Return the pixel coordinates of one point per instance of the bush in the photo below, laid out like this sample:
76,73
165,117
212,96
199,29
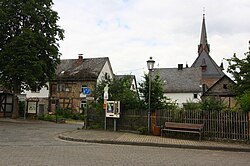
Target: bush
244,101
78,116
63,113
211,104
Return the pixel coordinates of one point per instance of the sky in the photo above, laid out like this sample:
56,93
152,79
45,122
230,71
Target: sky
131,31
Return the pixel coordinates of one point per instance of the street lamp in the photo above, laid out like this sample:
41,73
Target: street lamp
150,64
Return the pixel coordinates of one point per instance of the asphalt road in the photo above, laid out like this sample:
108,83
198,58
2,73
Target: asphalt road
36,144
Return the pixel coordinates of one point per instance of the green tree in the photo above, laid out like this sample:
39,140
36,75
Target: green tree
244,101
29,37
240,69
157,98
119,90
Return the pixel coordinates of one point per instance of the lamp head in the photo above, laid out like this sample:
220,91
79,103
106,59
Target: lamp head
150,63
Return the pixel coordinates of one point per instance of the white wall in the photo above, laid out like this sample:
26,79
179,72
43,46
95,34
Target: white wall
181,98
106,69
44,93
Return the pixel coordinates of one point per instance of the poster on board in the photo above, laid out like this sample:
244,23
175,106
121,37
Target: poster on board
113,109
32,107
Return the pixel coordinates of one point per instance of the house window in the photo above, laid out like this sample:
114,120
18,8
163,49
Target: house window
53,88
35,89
83,105
195,96
224,86
106,76
60,87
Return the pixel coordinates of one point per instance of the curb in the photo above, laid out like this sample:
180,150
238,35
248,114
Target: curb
230,149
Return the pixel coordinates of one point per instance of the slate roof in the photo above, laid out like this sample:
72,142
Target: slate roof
187,80
84,69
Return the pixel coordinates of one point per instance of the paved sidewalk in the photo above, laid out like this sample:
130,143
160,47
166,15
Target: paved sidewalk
124,138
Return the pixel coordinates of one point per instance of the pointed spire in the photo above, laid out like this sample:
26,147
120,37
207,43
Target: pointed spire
203,32
203,42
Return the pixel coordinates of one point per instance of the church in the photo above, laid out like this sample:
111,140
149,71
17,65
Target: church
203,79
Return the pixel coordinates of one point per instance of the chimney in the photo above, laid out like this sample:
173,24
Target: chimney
80,56
180,66
221,66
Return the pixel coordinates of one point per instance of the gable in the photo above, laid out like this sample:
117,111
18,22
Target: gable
221,87
105,72
212,69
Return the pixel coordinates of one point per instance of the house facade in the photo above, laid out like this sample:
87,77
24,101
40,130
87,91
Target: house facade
75,81
221,91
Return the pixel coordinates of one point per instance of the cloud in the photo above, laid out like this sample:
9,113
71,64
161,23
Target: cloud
129,32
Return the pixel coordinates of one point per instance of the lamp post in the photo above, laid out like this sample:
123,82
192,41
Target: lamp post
150,64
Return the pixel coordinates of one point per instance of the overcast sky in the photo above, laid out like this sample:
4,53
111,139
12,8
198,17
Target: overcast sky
130,31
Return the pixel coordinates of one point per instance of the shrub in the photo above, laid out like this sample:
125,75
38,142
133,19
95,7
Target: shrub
211,104
244,101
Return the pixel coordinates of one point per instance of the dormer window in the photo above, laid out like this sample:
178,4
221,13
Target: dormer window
203,65
35,89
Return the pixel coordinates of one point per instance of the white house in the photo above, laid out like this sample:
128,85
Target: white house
180,84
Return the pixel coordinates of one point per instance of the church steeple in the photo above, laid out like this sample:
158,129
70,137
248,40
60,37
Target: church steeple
204,46
211,72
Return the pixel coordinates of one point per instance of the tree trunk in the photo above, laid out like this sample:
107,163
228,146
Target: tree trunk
15,111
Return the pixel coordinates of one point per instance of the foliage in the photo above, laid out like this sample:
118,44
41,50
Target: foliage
119,90
240,69
190,105
157,99
244,101
29,37
64,113
211,104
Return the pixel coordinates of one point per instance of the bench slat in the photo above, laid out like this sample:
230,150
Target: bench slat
183,127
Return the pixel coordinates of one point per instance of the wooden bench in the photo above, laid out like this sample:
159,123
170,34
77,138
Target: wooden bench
183,127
